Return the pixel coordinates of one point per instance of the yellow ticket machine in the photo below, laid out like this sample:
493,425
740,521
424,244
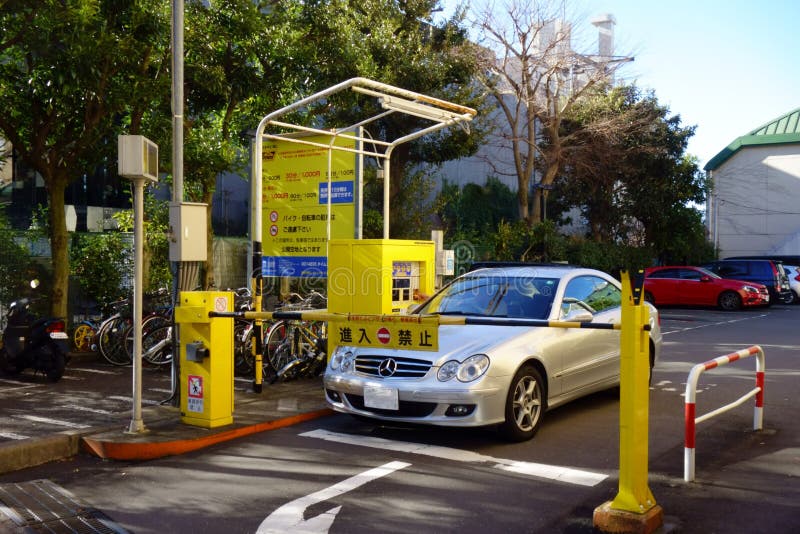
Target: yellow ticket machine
206,358
379,276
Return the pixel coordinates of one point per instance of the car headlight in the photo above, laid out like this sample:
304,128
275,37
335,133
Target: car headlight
342,360
467,371
750,289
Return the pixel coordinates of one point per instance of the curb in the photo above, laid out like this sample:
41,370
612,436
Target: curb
151,450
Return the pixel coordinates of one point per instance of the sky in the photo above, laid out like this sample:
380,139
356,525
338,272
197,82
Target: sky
726,67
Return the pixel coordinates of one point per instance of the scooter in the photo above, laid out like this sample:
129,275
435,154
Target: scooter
33,343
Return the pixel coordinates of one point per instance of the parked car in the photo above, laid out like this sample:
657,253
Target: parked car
766,272
793,273
493,374
696,286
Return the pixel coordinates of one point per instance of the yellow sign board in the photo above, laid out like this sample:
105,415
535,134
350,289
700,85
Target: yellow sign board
295,203
396,332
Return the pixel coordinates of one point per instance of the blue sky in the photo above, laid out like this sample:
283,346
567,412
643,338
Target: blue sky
725,66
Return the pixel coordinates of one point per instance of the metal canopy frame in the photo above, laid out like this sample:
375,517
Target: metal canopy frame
392,100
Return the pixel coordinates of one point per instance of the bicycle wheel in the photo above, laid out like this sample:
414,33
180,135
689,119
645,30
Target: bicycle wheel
111,340
157,345
150,323
83,337
243,348
278,347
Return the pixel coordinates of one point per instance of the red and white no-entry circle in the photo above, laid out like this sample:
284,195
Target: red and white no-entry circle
384,336
273,230
273,216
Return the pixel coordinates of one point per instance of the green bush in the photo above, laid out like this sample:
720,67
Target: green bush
99,262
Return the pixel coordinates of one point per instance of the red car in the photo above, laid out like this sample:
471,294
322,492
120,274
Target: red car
695,286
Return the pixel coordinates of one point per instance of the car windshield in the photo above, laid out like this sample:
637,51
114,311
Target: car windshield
708,273
494,296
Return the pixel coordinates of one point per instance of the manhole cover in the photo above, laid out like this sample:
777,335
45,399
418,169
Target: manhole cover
42,506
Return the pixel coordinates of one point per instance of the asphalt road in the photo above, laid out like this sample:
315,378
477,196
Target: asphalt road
337,474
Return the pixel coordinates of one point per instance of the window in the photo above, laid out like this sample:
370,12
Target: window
596,292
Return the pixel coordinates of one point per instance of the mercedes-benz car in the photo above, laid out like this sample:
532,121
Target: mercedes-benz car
493,374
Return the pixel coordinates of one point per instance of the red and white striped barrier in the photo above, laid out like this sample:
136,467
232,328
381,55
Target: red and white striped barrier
691,394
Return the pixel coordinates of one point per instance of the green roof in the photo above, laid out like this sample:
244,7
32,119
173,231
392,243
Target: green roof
783,130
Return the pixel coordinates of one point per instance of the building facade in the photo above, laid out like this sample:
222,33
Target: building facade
753,207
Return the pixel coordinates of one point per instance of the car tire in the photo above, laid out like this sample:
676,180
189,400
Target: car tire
729,301
648,297
525,405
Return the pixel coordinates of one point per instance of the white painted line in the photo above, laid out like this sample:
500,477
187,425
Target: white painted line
48,421
86,409
95,371
12,435
559,473
129,399
291,516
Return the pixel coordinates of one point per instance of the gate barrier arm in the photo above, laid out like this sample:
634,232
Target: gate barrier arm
691,394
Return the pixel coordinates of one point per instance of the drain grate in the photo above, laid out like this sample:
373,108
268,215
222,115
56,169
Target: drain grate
42,506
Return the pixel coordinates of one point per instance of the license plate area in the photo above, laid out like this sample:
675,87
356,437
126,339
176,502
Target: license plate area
58,335
381,397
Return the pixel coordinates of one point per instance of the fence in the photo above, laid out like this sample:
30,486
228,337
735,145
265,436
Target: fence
691,394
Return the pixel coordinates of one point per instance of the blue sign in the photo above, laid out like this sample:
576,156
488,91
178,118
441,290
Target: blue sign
295,266
342,192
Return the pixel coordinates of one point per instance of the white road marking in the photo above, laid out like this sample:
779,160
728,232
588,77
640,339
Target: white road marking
553,472
95,371
714,323
86,409
290,516
129,399
12,435
47,420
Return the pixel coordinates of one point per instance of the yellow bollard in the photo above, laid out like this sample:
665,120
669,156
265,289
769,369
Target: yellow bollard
634,509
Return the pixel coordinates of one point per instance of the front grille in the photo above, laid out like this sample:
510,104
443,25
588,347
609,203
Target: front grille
405,408
406,367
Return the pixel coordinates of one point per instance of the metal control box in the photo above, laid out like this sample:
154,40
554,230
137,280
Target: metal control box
206,358
378,276
188,231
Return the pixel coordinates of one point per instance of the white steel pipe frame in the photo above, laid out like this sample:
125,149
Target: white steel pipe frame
691,393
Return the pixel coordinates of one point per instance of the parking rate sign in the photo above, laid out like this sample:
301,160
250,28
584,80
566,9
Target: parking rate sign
295,204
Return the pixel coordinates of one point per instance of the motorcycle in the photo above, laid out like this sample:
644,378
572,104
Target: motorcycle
33,343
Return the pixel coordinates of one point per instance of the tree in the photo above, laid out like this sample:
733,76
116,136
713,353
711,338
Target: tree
73,75
240,56
397,43
631,176
535,75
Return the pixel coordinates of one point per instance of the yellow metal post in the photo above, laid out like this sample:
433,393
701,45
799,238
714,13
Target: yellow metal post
634,508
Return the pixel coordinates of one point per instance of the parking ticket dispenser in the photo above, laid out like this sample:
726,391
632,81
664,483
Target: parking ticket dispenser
379,276
206,358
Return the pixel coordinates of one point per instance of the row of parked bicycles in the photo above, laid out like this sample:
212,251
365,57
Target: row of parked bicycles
291,349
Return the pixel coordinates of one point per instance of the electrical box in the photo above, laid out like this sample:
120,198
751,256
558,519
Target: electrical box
206,358
445,262
378,276
137,157
188,232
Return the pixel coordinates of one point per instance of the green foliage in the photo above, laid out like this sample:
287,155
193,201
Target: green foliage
474,210
99,263
16,266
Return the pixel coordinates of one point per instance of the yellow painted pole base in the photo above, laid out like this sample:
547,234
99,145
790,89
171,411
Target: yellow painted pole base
608,519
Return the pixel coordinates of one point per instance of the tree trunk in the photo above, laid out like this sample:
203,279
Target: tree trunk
58,247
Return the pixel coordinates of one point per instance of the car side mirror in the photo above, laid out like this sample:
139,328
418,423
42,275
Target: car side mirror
579,315
705,278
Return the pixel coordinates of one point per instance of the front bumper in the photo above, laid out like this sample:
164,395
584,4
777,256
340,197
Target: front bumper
425,401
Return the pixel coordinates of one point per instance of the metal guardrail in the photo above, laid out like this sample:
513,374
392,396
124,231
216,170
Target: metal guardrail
691,393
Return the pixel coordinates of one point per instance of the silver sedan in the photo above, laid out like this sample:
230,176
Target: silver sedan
493,374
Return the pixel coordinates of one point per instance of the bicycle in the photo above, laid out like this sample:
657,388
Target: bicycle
297,348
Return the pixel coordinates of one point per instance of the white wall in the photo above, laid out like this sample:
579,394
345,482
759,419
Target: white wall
756,202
